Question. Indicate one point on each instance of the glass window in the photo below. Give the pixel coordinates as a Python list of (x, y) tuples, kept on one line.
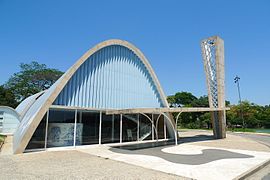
[(87, 128), (110, 128), (37, 141), (129, 127), (145, 128), (61, 128), (159, 125), (168, 126)]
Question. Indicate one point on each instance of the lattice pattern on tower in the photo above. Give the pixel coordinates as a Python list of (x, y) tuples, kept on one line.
[(213, 59), (208, 47)]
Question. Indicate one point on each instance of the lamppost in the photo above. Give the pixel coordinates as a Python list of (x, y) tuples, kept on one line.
[(236, 80)]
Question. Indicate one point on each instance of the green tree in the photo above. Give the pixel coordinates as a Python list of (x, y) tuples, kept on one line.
[(184, 98), (200, 102), (31, 78), (265, 121), (249, 113), (195, 119), (205, 119), (7, 98), (171, 101), (255, 116)]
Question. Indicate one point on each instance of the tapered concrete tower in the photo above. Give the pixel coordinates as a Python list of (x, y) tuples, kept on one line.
[(213, 58)]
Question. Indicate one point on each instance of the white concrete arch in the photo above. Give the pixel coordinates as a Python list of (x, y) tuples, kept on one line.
[(35, 113)]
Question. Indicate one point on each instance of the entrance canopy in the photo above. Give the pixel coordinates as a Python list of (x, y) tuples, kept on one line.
[(165, 110)]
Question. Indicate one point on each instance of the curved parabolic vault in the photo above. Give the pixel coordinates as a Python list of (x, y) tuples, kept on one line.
[(112, 75)]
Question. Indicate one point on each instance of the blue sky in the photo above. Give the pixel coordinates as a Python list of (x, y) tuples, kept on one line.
[(57, 33)]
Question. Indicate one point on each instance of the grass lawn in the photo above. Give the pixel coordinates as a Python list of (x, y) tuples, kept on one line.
[(241, 130), (234, 130)]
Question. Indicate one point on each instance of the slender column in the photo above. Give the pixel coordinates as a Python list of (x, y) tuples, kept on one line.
[(157, 125), (100, 121), (175, 135), (46, 131), (165, 130), (121, 124), (169, 121), (112, 127), (151, 122), (177, 117), (175, 132), (138, 127), (153, 135), (75, 128)]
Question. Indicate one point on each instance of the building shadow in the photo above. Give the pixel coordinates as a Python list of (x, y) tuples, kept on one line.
[(155, 149), (153, 144), (196, 138)]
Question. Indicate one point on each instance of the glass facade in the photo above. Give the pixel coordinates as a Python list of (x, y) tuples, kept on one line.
[(159, 124), (59, 127), (129, 127), (145, 127), (110, 129), (38, 139), (87, 127)]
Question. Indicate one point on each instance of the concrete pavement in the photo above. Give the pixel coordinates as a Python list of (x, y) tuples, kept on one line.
[(198, 156), (71, 164), (259, 137), (232, 141), (264, 139), (195, 157), (187, 160)]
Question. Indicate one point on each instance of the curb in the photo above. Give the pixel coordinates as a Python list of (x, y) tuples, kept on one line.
[(263, 134), (253, 170)]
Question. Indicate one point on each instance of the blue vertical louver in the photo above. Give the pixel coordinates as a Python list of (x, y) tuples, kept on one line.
[(113, 77)]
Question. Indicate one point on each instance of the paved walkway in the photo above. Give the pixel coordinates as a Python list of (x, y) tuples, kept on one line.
[(195, 157), (259, 137), (264, 139), (232, 141), (196, 154), (71, 164), (188, 160), (235, 140)]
